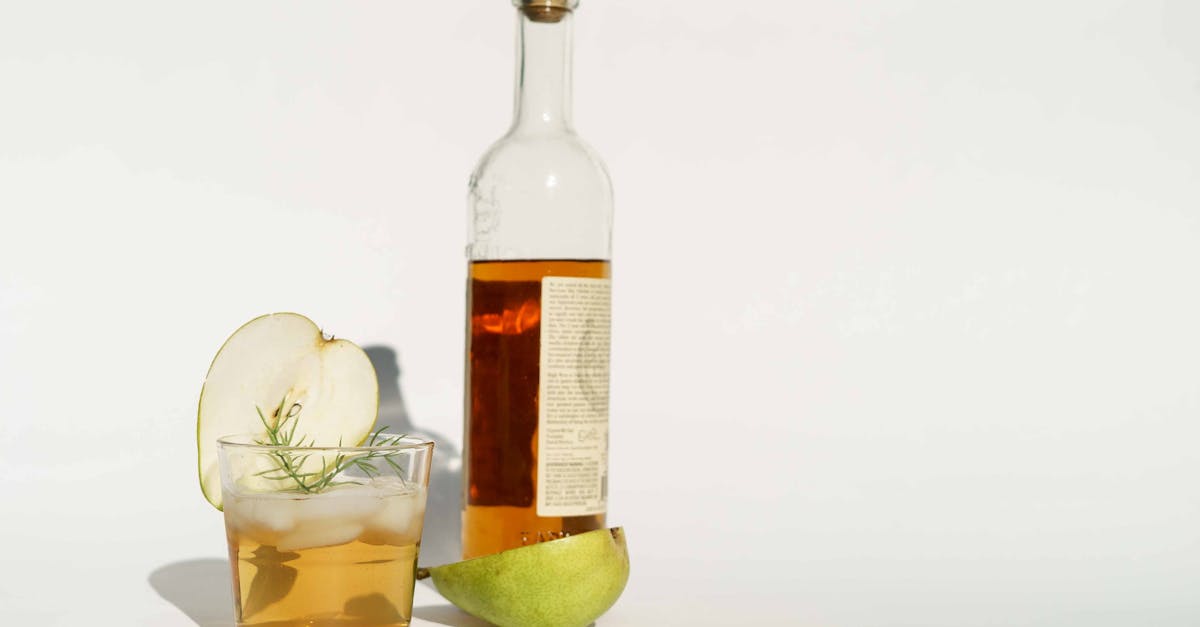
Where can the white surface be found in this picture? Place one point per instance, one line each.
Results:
(905, 304)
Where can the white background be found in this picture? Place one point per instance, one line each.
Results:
(905, 304)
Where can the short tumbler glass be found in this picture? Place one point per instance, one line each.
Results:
(324, 536)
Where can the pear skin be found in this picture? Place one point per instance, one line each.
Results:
(568, 582)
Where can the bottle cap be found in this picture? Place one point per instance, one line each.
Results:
(546, 10)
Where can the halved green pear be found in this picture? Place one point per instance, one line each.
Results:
(568, 582)
(284, 360)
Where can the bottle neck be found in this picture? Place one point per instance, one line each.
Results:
(543, 94)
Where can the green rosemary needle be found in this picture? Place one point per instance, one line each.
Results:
(288, 464)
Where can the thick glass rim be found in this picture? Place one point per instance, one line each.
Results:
(249, 441)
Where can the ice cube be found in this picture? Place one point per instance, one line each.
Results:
(390, 484)
(351, 503)
(314, 535)
(400, 520)
(262, 518)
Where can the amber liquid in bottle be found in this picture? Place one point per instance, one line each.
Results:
(535, 429)
(503, 344)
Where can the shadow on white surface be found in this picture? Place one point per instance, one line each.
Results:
(441, 541)
(447, 615)
(200, 588)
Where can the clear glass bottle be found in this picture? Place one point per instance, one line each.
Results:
(540, 240)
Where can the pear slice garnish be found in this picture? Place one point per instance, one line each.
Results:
(568, 582)
(283, 360)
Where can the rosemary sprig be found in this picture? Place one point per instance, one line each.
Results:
(281, 431)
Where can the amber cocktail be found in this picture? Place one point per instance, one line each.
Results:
(324, 536)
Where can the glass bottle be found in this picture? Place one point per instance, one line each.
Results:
(538, 299)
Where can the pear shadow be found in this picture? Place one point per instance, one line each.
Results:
(201, 588)
(441, 541)
(448, 615)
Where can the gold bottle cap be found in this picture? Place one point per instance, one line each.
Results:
(546, 10)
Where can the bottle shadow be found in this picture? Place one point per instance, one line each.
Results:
(441, 541)
(203, 588)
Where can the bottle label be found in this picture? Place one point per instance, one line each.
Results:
(573, 397)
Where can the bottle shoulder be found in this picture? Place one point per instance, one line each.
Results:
(540, 196)
(542, 159)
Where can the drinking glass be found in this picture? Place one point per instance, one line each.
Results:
(324, 536)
